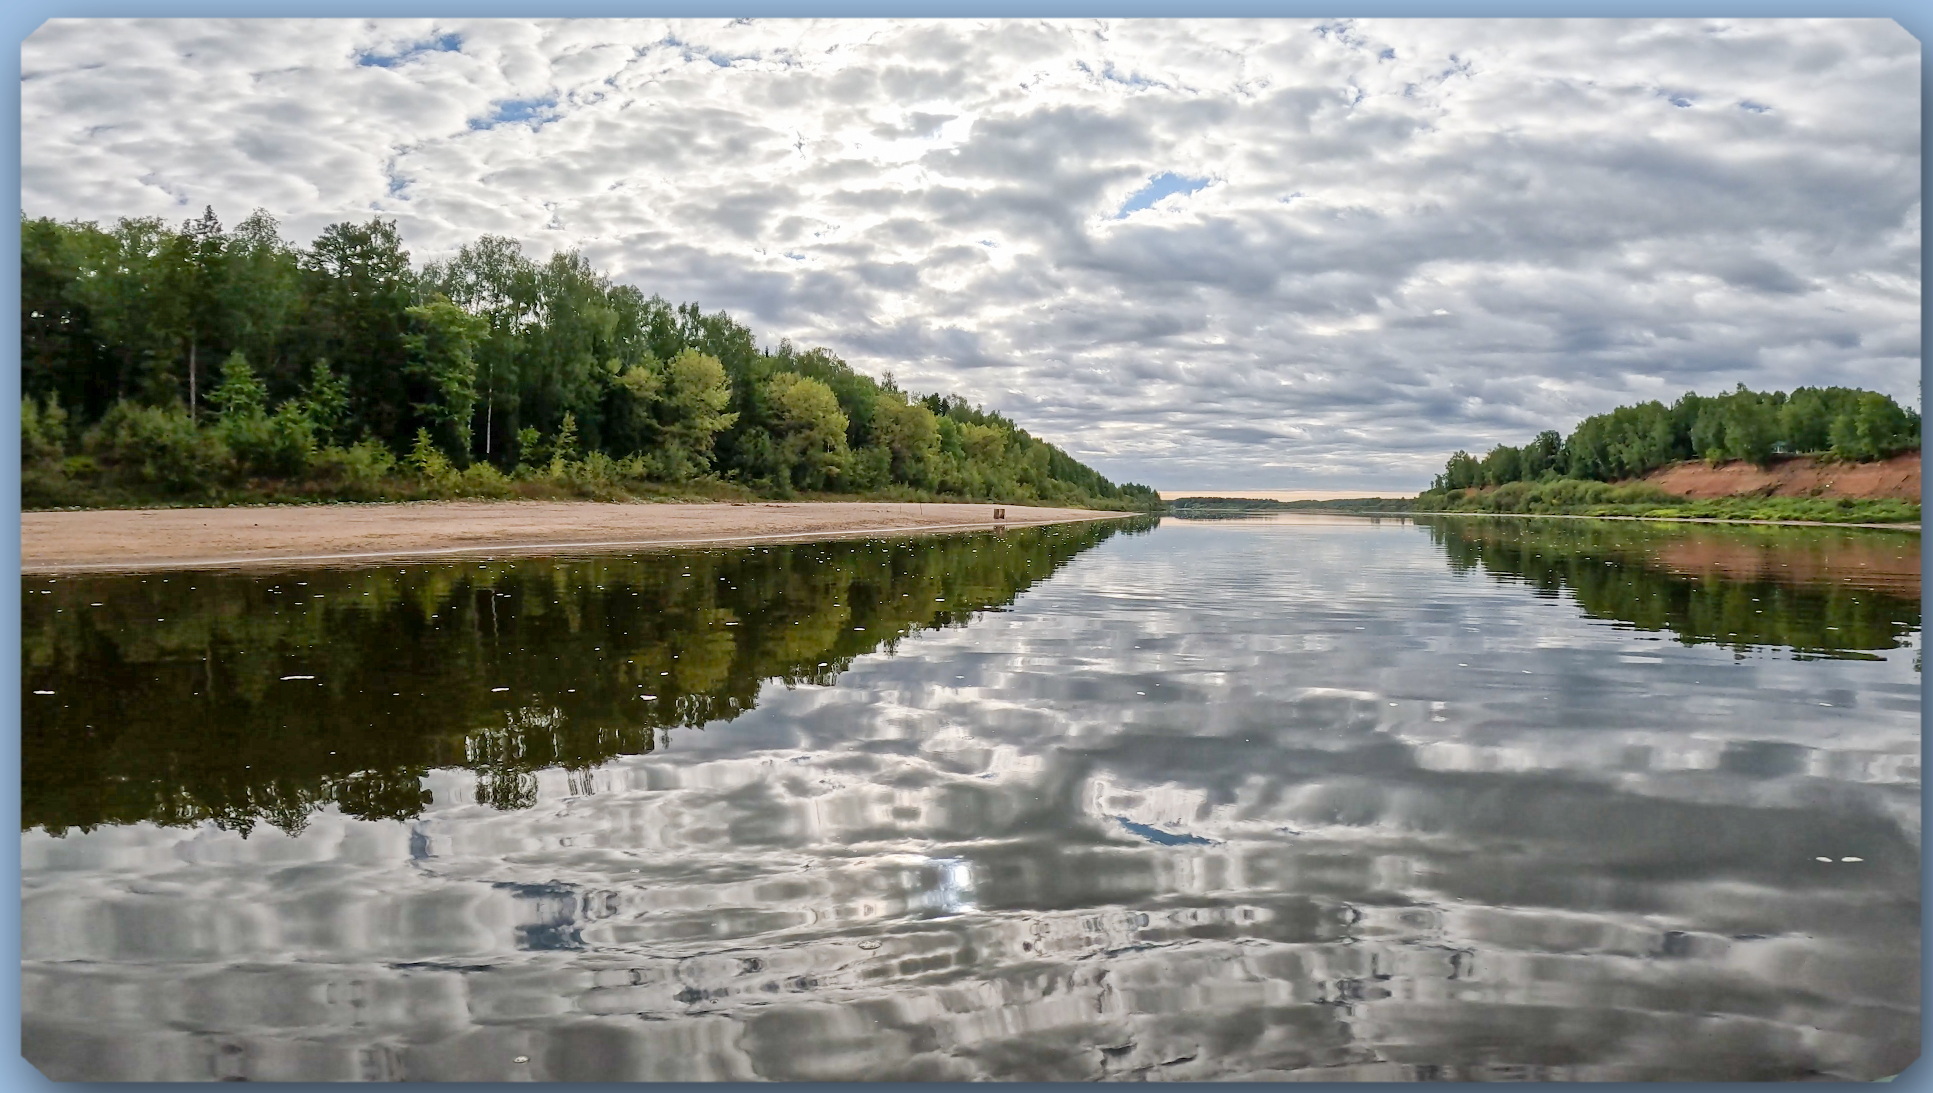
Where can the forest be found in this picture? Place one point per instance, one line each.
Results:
(212, 364)
(1633, 441)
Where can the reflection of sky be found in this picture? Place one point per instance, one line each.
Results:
(1412, 819)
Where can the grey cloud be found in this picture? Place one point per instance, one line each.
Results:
(1042, 143)
(916, 125)
(1419, 236)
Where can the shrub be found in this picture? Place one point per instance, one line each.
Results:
(158, 446)
(43, 431)
(1560, 495)
(429, 462)
(240, 392)
(361, 467)
(281, 444)
(530, 453)
(868, 469)
(482, 480)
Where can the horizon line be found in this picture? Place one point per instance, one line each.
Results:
(1284, 495)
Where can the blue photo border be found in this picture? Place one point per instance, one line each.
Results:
(17, 23)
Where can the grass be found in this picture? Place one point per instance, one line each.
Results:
(1572, 497)
(577, 481)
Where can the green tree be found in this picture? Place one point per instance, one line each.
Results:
(327, 403)
(241, 393)
(442, 370)
(564, 358)
(259, 297)
(1751, 427)
(1503, 464)
(1541, 455)
(126, 281)
(809, 427)
(911, 436)
(61, 354)
(1873, 427)
(359, 289)
(493, 280)
(428, 461)
(563, 447)
(629, 424)
(691, 413)
(281, 443)
(201, 267)
(1460, 473)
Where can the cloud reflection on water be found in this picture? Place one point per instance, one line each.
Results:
(1603, 868)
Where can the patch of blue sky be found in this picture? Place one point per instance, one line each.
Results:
(722, 60)
(1754, 107)
(444, 43)
(1110, 74)
(535, 112)
(1158, 187)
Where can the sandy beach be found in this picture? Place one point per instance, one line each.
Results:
(135, 539)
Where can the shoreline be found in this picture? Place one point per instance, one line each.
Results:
(1914, 528)
(135, 540)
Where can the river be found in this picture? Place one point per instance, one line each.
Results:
(1280, 797)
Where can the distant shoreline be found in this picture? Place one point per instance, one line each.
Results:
(122, 540)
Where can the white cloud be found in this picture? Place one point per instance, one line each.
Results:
(1411, 236)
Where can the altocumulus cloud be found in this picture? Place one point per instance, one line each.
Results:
(1265, 254)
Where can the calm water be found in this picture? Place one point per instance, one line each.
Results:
(1231, 799)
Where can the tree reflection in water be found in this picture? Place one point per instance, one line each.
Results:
(244, 698)
(1819, 592)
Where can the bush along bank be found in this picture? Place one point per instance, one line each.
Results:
(1574, 497)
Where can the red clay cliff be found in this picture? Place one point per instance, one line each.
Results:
(1794, 476)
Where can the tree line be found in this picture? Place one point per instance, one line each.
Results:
(189, 359)
(1632, 441)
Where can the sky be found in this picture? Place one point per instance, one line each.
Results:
(1268, 255)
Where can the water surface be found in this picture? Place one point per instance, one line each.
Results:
(1284, 797)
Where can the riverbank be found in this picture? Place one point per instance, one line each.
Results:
(1895, 478)
(1909, 527)
(137, 539)
(1576, 497)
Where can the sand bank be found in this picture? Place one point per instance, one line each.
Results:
(132, 539)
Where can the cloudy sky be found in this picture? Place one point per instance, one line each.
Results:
(1281, 254)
